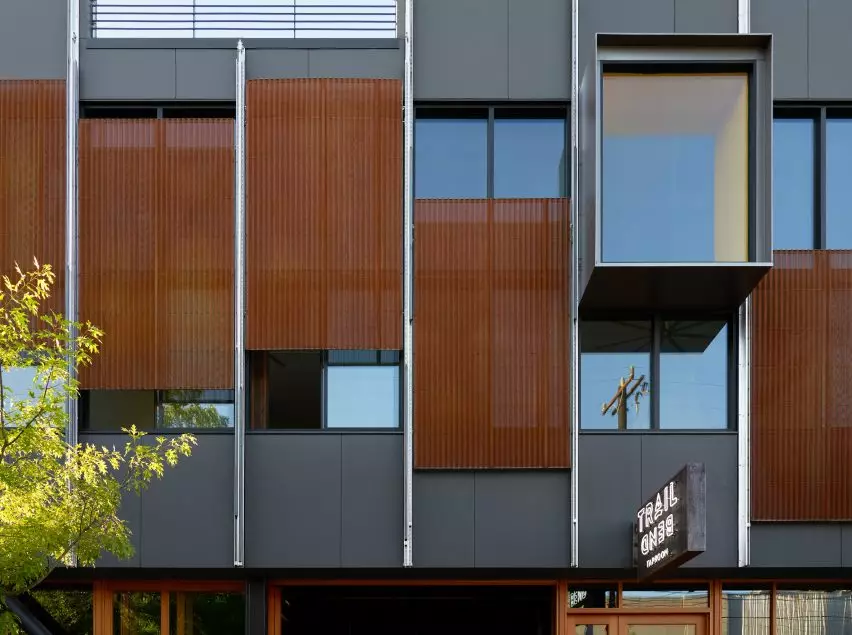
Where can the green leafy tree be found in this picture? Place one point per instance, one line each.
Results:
(57, 500)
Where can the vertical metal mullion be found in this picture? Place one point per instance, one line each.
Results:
(489, 189)
(72, 117)
(573, 158)
(821, 207)
(656, 352)
(240, 404)
(408, 239)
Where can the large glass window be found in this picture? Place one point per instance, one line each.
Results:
(801, 612)
(793, 184)
(199, 613)
(70, 608)
(490, 152)
(675, 175)
(838, 184)
(451, 154)
(313, 390)
(655, 374)
(662, 598)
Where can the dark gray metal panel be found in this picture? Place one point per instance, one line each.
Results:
(205, 74)
(187, 517)
(443, 519)
(795, 545)
(32, 39)
(461, 49)
(130, 510)
(621, 16)
(539, 49)
(127, 74)
(663, 455)
(787, 20)
(522, 519)
(610, 491)
(372, 500)
(829, 49)
(700, 16)
(293, 500)
(368, 64)
(846, 544)
(276, 63)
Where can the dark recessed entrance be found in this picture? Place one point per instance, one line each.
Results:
(413, 610)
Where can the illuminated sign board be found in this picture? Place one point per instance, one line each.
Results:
(671, 527)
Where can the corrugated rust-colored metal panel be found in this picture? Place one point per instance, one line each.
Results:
(801, 419)
(324, 216)
(32, 178)
(492, 323)
(156, 251)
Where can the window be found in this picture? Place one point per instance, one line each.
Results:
(745, 610)
(675, 167)
(196, 409)
(112, 410)
(664, 598)
(806, 611)
(838, 185)
(656, 374)
(70, 608)
(209, 612)
(313, 390)
(168, 110)
(19, 383)
(812, 158)
(793, 183)
(479, 152)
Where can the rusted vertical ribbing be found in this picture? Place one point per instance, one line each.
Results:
(156, 251)
(801, 396)
(492, 346)
(32, 178)
(323, 219)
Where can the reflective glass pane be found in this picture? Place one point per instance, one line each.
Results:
(529, 158)
(592, 597)
(198, 415)
(806, 612)
(72, 610)
(694, 375)
(136, 613)
(451, 158)
(206, 613)
(793, 184)
(675, 168)
(18, 382)
(838, 192)
(363, 397)
(615, 375)
(591, 629)
(664, 598)
(745, 612)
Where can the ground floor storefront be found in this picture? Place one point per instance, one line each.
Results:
(445, 606)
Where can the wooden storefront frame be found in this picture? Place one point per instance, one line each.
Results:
(103, 592)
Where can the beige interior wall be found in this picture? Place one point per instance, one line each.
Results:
(117, 409)
(730, 199)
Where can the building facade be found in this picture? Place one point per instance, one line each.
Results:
(449, 292)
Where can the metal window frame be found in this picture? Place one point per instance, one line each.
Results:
(492, 111)
(656, 321)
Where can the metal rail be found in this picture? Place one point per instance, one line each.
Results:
(261, 19)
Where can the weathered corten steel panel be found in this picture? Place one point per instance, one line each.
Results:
(32, 178)
(324, 215)
(801, 397)
(156, 251)
(492, 323)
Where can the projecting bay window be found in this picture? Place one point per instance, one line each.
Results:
(675, 176)
(663, 373)
(325, 390)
